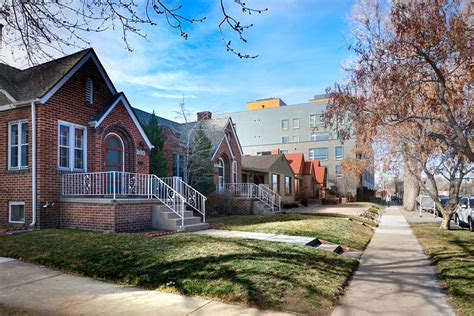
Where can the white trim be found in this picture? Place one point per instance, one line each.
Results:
(12, 203)
(72, 71)
(230, 148)
(281, 124)
(33, 162)
(229, 121)
(19, 145)
(8, 95)
(293, 122)
(123, 149)
(72, 145)
(17, 104)
(97, 123)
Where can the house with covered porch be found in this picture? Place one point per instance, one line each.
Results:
(74, 154)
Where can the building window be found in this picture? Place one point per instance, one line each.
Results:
(16, 212)
(89, 91)
(264, 153)
(339, 152)
(17, 145)
(315, 137)
(178, 162)
(284, 124)
(221, 173)
(72, 146)
(318, 153)
(296, 123)
(296, 139)
(316, 119)
(285, 140)
(338, 171)
(287, 185)
(234, 171)
(283, 151)
(275, 183)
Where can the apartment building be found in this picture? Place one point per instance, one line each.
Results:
(270, 124)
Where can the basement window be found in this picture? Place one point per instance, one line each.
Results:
(16, 212)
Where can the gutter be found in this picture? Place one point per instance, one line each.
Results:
(33, 162)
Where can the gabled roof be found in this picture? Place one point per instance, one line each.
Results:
(98, 119)
(42, 81)
(145, 117)
(320, 173)
(296, 161)
(308, 168)
(313, 167)
(260, 163)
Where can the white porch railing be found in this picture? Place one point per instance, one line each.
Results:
(260, 192)
(115, 184)
(193, 198)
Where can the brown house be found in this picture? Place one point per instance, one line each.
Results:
(72, 150)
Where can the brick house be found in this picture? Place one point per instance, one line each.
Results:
(310, 176)
(226, 152)
(72, 150)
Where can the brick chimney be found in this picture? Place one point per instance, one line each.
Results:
(202, 116)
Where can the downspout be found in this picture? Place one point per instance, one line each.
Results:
(33, 162)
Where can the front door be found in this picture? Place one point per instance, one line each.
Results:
(114, 153)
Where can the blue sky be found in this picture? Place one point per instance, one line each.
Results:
(301, 45)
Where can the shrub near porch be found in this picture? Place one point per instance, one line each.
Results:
(349, 231)
(267, 275)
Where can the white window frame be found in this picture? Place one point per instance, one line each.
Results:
(311, 123)
(293, 139)
(221, 182)
(288, 139)
(19, 145)
(72, 146)
(335, 153)
(327, 153)
(16, 203)
(287, 124)
(235, 171)
(288, 189)
(296, 126)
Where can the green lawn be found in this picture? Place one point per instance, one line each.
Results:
(267, 275)
(453, 254)
(345, 230)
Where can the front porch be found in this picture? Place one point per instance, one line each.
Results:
(123, 201)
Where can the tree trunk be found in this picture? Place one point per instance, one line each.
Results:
(445, 222)
(411, 187)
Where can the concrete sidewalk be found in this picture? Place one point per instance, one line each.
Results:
(46, 291)
(395, 277)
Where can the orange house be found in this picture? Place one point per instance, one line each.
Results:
(310, 176)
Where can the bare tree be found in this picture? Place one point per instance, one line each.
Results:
(412, 82)
(39, 28)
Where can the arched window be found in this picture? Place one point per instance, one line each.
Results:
(114, 153)
(89, 91)
(221, 173)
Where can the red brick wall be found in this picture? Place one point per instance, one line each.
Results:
(67, 104)
(14, 185)
(223, 151)
(116, 217)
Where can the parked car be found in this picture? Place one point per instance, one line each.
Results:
(443, 199)
(464, 215)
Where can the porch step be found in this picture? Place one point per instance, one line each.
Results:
(164, 218)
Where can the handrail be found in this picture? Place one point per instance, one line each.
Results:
(117, 184)
(193, 197)
(260, 192)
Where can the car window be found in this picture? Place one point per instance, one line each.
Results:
(471, 202)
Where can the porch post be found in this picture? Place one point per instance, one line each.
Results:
(113, 183)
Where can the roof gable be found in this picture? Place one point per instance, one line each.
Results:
(44, 80)
(296, 161)
(97, 120)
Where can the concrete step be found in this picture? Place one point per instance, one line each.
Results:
(187, 221)
(195, 227)
(331, 247)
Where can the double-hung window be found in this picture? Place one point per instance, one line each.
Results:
(318, 153)
(296, 123)
(17, 145)
(339, 152)
(316, 119)
(287, 185)
(338, 170)
(284, 124)
(72, 146)
(285, 140)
